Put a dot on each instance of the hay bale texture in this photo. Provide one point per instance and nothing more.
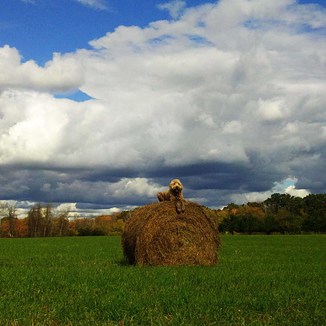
(157, 235)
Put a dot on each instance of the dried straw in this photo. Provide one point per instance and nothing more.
(157, 235)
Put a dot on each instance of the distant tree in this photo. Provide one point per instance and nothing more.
(252, 216)
(245, 218)
(286, 211)
(288, 222)
(11, 219)
(124, 215)
(270, 224)
(48, 221)
(21, 228)
(232, 223)
(103, 224)
(8, 221)
(62, 225)
(315, 208)
(276, 202)
(85, 226)
(35, 221)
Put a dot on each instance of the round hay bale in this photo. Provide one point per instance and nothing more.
(157, 235)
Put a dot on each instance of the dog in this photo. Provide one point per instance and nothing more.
(173, 194)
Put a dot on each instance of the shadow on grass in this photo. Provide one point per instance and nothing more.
(123, 262)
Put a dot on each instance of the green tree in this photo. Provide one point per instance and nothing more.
(315, 208)
(270, 224)
(286, 211)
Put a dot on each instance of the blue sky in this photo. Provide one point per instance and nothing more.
(39, 28)
(103, 102)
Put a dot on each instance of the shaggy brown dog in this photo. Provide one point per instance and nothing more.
(173, 194)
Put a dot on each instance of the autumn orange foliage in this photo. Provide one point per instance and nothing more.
(38, 224)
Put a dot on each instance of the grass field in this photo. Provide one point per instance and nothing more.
(260, 280)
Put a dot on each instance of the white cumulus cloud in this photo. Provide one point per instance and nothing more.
(62, 74)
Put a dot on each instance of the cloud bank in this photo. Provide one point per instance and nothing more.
(229, 97)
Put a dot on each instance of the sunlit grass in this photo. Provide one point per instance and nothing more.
(260, 280)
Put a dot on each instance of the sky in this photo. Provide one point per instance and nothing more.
(103, 102)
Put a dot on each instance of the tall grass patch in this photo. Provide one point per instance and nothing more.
(260, 280)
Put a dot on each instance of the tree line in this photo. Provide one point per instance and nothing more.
(44, 221)
(280, 213)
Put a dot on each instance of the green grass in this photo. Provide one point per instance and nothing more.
(260, 280)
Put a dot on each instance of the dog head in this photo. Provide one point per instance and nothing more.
(176, 187)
